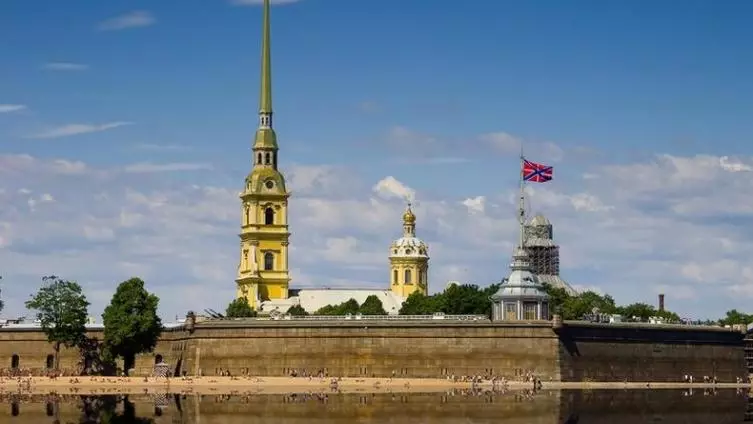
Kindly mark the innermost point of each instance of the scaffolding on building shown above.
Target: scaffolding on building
(544, 253)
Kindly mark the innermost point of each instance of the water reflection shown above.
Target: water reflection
(472, 407)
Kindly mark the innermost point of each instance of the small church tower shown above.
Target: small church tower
(409, 260)
(263, 270)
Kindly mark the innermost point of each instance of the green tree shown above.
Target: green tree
(297, 311)
(465, 299)
(736, 317)
(350, 306)
(557, 298)
(638, 311)
(419, 304)
(372, 306)
(61, 307)
(576, 307)
(132, 325)
(239, 308)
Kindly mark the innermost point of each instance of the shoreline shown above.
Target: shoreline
(97, 385)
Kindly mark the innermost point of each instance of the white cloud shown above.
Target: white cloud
(65, 66)
(725, 163)
(389, 187)
(620, 233)
(502, 142)
(475, 204)
(76, 129)
(135, 19)
(147, 167)
(8, 108)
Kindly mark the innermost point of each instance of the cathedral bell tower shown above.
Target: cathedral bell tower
(409, 260)
(263, 272)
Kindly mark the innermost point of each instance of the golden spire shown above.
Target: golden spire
(266, 139)
(265, 94)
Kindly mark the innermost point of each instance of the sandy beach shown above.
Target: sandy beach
(283, 385)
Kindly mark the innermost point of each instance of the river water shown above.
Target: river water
(525, 407)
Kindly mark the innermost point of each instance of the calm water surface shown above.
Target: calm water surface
(569, 407)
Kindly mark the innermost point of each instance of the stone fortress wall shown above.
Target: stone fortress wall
(570, 351)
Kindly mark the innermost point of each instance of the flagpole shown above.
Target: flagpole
(521, 200)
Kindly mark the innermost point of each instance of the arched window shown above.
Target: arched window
(269, 216)
(14, 360)
(394, 276)
(269, 261)
(258, 158)
(157, 359)
(50, 362)
(267, 159)
(408, 277)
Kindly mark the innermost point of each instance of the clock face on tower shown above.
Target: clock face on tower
(269, 184)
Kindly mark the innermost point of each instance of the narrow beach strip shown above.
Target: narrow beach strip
(97, 385)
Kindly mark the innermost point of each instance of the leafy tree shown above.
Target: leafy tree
(132, 325)
(638, 311)
(350, 306)
(419, 304)
(239, 308)
(297, 311)
(372, 306)
(465, 299)
(736, 317)
(62, 310)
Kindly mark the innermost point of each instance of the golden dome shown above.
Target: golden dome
(408, 216)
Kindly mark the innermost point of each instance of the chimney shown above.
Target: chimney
(661, 302)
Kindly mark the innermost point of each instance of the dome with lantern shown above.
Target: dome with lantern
(409, 246)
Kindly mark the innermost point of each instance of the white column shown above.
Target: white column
(538, 310)
(520, 310)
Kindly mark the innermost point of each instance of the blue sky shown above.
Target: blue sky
(643, 107)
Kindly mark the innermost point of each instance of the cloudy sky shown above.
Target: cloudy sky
(125, 130)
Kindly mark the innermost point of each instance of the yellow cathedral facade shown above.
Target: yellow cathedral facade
(263, 272)
(263, 277)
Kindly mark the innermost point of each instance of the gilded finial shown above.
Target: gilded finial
(408, 216)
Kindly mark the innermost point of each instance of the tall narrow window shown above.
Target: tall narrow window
(269, 261)
(50, 363)
(420, 279)
(269, 216)
(408, 277)
(267, 159)
(14, 360)
(258, 158)
(394, 276)
(529, 311)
